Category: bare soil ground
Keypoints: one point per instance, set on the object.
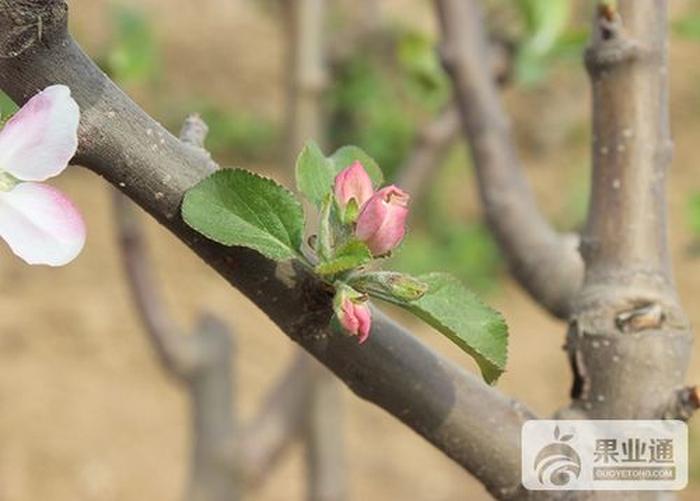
(86, 412)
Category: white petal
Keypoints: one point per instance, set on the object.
(40, 224)
(41, 138)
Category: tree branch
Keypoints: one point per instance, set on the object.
(546, 264)
(431, 145)
(281, 418)
(307, 81)
(628, 318)
(225, 460)
(466, 419)
(202, 361)
(307, 72)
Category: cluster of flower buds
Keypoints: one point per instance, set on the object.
(379, 216)
(378, 219)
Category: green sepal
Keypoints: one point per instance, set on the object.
(399, 285)
(348, 257)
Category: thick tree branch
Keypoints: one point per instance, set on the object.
(629, 341)
(547, 264)
(468, 420)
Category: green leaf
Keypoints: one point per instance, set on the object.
(237, 207)
(458, 314)
(315, 173)
(349, 256)
(346, 155)
(133, 56)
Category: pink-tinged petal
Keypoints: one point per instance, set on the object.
(347, 317)
(40, 224)
(41, 138)
(382, 221)
(371, 218)
(353, 182)
(355, 317)
(364, 317)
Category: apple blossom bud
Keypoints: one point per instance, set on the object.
(353, 183)
(352, 310)
(382, 221)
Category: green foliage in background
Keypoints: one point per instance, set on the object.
(445, 237)
(465, 249)
(240, 135)
(379, 96)
(694, 213)
(132, 58)
(546, 38)
(688, 26)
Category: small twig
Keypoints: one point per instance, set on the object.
(431, 145)
(194, 131)
(435, 138)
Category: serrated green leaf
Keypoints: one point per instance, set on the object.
(458, 314)
(349, 256)
(237, 207)
(315, 173)
(346, 155)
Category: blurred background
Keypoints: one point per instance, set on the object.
(86, 410)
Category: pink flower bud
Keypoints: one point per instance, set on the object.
(355, 317)
(353, 182)
(382, 220)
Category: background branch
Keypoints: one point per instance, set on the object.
(225, 459)
(307, 82)
(202, 361)
(628, 304)
(545, 263)
(432, 143)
